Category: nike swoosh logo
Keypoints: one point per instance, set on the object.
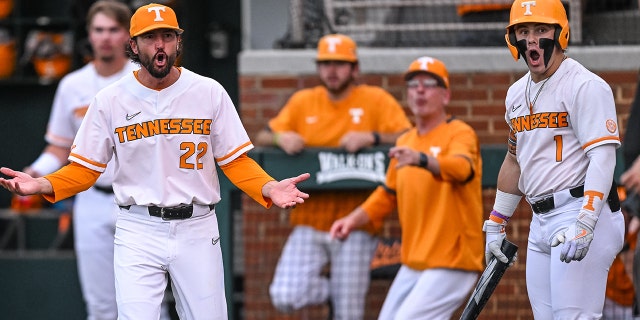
(129, 117)
(514, 108)
(215, 240)
(582, 234)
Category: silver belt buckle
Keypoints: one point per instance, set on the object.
(162, 214)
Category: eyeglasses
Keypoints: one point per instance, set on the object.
(427, 83)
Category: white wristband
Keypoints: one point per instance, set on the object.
(45, 164)
(506, 203)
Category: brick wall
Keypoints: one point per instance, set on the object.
(477, 98)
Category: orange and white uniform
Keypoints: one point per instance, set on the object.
(298, 279)
(163, 146)
(573, 115)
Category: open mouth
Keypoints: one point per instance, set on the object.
(160, 59)
(534, 56)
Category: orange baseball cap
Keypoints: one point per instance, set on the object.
(151, 17)
(336, 47)
(432, 66)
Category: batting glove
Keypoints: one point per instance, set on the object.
(576, 238)
(495, 233)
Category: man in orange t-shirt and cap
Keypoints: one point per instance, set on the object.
(340, 113)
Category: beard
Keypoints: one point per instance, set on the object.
(147, 63)
(338, 88)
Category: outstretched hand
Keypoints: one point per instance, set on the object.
(285, 193)
(20, 182)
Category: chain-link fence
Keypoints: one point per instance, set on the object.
(419, 23)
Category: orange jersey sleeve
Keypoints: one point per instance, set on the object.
(380, 204)
(249, 177)
(70, 180)
(464, 152)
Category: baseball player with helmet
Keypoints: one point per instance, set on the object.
(166, 128)
(434, 181)
(93, 214)
(340, 113)
(561, 158)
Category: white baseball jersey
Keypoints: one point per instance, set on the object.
(570, 113)
(163, 142)
(562, 125)
(73, 96)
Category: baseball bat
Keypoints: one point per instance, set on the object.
(488, 282)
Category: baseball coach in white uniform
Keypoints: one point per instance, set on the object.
(166, 128)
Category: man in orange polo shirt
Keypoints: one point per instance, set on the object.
(340, 113)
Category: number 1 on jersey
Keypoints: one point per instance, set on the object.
(558, 140)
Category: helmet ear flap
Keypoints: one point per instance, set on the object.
(510, 37)
(562, 36)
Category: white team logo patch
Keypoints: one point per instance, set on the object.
(356, 114)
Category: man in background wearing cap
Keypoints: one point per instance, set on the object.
(340, 113)
(93, 216)
(166, 129)
(434, 181)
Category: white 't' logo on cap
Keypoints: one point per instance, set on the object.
(333, 42)
(157, 10)
(424, 62)
(527, 5)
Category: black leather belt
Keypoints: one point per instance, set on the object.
(547, 204)
(106, 189)
(171, 213)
